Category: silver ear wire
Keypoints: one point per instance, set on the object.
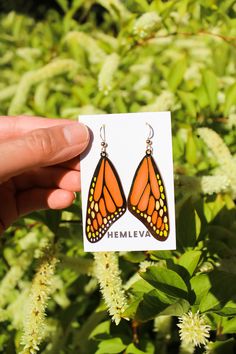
(102, 133)
(103, 138)
(151, 131)
(149, 148)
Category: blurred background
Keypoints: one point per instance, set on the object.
(62, 58)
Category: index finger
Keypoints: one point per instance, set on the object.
(11, 127)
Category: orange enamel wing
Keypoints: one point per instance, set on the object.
(106, 200)
(147, 199)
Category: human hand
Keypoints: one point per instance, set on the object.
(39, 164)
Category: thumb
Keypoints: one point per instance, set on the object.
(42, 147)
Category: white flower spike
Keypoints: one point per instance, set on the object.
(193, 329)
(106, 269)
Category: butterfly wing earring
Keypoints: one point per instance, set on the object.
(106, 198)
(147, 198)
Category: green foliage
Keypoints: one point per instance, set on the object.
(127, 56)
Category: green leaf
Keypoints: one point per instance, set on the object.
(230, 326)
(209, 302)
(167, 281)
(163, 297)
(51, 218)
(132, 308)
(198, 224)
(189, 260)
(63, 4)
(161, 254)
(222, 347)
(221, 54)
(200, 284)
(212, 206)
(151, 306)
(177, 309)
(191, 149)
(211, 86)
(131, 349)
(228, 310)
(101, 330)
(188, 225)
(141, 286)
(176, 74)
(202, 96)
(230, 99)
(110, 346)
(135, 257)
(225, 5)
(189, 102)
(82, 336)
(223, 288)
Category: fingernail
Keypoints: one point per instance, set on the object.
(76, 134)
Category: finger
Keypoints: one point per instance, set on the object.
(11, 127)
(73, 164)
(48, 177)
(39, 198)
(42, 147)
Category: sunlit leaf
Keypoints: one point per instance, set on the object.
(189, 260)
(131, 349)
(176, 74)
(230, 99)
(230, 326)
(191, 149)
(211, 85)
(102, 330)
(189, 102)
(114, 345)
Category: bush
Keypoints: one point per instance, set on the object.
(76, 57)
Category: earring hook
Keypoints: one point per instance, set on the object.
(149, 148)
(151, 131)
(103, 138)
(103, 133)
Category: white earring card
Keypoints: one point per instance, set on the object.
(127, 185)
